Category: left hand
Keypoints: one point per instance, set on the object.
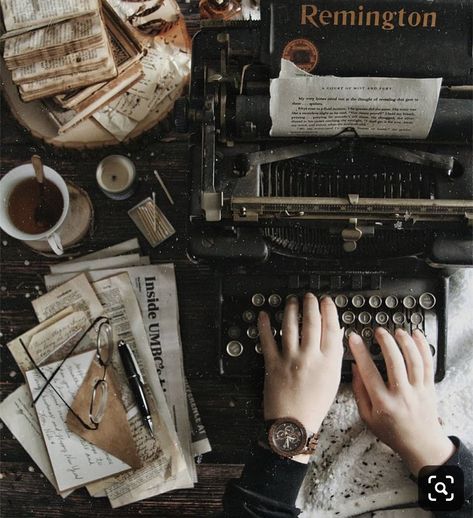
(302, 377)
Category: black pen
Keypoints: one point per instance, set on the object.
(136, 381)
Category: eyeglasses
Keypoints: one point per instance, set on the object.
(104, 354)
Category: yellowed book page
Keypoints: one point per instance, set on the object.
(83, 61)
(77, 293)
(54, 36)
(28, 14)
(51, 340)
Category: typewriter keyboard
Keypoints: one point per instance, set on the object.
(360, 311)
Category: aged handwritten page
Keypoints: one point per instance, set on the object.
(324, 106)
(19, 415)
(75, 461)
(16, 348)
(77, 293)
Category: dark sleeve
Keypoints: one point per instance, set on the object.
(267, 488)
(463, 458)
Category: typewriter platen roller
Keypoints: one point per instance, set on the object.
(267, 207)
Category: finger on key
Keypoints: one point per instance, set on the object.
(395, 366)
(290, 327)
(311, 325)
(268, 343)
(412, 357)
(367, 369)
(332, 334)
(426, 354)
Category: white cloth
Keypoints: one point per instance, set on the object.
(353, 473)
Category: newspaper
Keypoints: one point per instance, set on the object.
(27, 15)
(155, 289)
(200, 441)
(325, 106)
(118, 298)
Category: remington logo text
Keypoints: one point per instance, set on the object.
(385, 20)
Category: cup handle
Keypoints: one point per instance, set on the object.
(55, 243)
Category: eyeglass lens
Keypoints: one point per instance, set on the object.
(104, 343)
(98, 403)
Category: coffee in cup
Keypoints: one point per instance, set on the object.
(30, 211)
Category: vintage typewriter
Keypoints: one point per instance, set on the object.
(378, 225)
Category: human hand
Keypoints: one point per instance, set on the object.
(402, 412)
(301, 379)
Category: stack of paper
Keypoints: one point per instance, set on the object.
(141, 302)
(56, 46)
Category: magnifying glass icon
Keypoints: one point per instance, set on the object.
(440, 487)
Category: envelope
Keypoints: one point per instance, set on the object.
(114, 433)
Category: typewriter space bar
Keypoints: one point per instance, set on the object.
(353, 206)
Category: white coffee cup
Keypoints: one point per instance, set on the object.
(9, 182)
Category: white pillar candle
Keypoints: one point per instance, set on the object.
(116, 176)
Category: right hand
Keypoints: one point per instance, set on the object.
(402, 412)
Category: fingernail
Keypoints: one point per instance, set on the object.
(309, 294)
(355, 338)
(262, 314)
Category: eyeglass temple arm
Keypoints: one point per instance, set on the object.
(42, 374)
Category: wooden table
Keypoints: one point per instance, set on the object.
(229, 409)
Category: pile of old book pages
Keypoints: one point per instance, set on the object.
(81, 58)
(119, 460)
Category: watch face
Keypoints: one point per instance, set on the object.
(287, 438)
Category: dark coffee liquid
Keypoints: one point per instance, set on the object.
(33, 211)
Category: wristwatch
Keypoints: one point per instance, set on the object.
(288, 437)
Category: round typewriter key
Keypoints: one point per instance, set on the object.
(399, 318)
(348, 317)
(248, 316)
(234, 349)
(364, 317)
(279, 316)
(234, 332)
(358, 301)
(391, 301)
(375, 301)
(341, 301)
(432, 349)
(252, 332)
(409, 302)
(382, 318)
(367, 333)
(258, 348)
(416, 319)
(274, 300)
(258, 300)
(348, 331)
(427, 301)
(274, 331)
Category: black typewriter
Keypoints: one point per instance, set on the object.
(379, 225)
